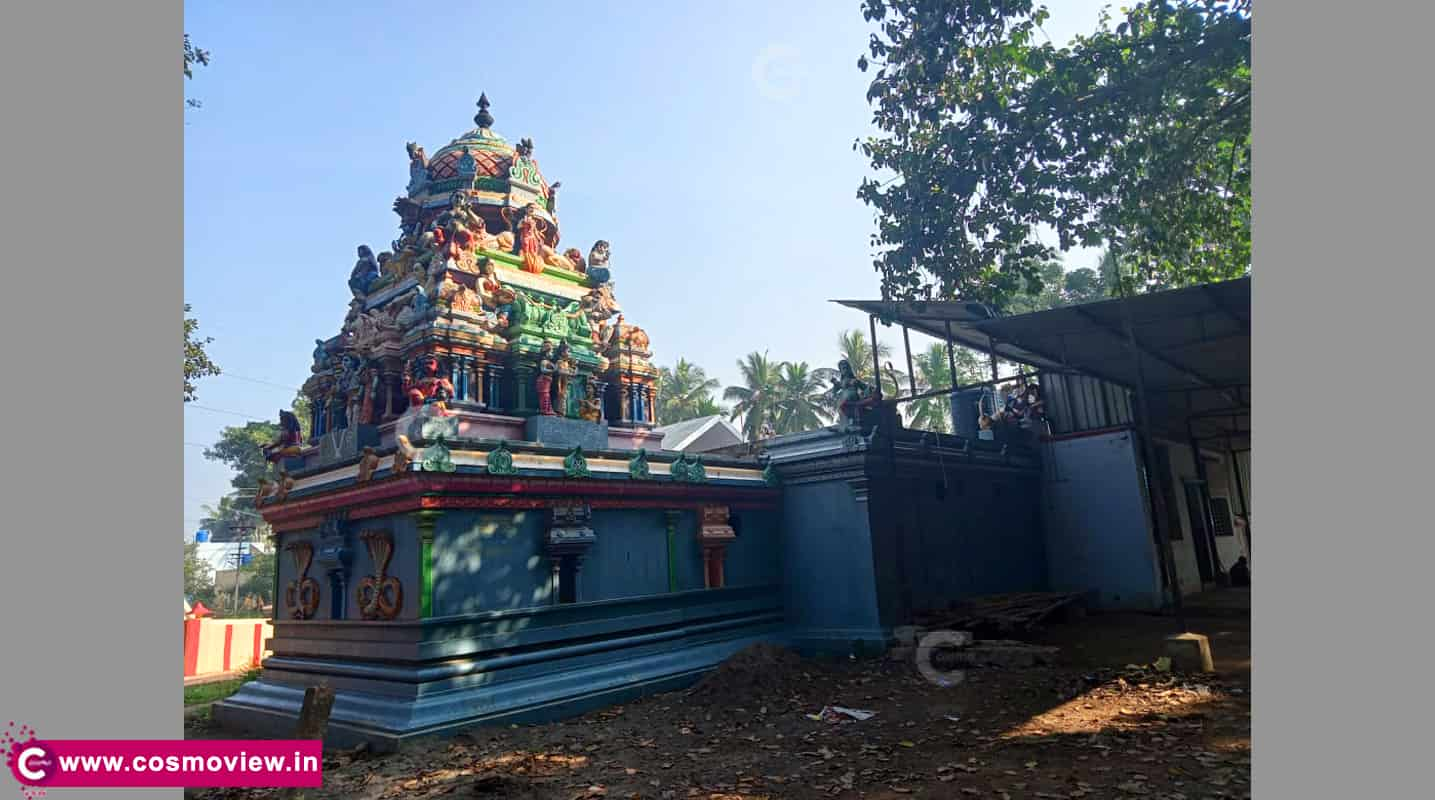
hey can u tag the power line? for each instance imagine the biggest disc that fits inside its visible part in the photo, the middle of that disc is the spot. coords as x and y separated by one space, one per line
259 380
249 417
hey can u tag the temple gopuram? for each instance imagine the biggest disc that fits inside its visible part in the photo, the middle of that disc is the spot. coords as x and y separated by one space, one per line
476 292
475 528
479 527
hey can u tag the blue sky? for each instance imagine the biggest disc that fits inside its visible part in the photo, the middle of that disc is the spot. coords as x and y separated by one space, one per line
710 143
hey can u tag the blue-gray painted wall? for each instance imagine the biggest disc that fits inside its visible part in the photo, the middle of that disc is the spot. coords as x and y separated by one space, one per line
944 535
489 561
829 585
404 565
1098 531
853 551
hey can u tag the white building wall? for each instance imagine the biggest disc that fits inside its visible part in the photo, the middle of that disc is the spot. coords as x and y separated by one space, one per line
1218 472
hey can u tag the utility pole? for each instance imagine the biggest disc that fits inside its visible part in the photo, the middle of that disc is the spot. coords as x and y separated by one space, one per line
243 530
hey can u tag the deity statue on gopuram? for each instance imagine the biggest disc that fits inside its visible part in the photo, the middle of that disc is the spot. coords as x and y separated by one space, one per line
474 288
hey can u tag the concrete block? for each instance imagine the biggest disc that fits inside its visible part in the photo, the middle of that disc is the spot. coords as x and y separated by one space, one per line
565 432
1189 652
909 634
346 443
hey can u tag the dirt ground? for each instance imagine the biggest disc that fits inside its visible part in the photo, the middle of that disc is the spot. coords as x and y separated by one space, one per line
1090 725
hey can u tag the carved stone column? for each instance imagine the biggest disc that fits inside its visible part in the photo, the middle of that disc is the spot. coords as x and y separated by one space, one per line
601 391
389 384
335 557
568 540
494 394
524 393
714 536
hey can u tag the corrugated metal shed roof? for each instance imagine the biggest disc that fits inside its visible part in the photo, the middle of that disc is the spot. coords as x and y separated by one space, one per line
1195 344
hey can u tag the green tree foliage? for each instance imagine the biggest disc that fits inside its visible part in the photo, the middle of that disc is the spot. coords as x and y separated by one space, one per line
198 576
235 511
301 410
1136 136
853 346
685 392
196 362
934 372
193 56
257 577
801 398
241 449
755 401
1083 285
1049 296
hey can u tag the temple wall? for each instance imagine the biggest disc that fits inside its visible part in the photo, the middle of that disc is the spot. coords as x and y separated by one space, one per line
630 558
217 646
829 587
404 565
401 680
488 561
872 535
1097 520
943 534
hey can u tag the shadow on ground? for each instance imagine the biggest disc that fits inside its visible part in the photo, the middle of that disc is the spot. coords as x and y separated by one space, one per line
1085 727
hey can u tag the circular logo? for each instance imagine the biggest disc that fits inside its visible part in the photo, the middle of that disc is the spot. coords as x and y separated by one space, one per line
777 72
929 645
34 763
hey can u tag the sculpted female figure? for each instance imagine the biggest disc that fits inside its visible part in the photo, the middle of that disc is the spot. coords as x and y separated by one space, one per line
566 369
544 382
527 238
853 394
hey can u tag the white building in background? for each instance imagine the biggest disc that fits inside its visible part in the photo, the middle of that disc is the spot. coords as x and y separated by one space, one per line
701 435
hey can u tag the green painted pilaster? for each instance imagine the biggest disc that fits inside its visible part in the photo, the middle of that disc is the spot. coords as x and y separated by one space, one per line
426 522
672 539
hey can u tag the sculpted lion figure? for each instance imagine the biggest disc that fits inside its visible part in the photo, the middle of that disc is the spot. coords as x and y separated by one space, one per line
599 304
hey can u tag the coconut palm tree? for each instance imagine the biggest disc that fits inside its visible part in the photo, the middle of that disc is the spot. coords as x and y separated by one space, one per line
802 398
933 372
685 392
756 400
853 346
706 407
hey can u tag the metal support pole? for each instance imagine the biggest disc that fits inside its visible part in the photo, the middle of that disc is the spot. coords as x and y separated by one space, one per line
1149 452
1210 526
992 351
911 373
951 356
876 362
1241 494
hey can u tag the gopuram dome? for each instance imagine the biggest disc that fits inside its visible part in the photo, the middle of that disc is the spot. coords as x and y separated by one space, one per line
475 310
485 166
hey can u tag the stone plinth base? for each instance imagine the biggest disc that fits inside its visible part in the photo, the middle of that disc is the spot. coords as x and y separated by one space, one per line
407 679
1189 652
565 432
